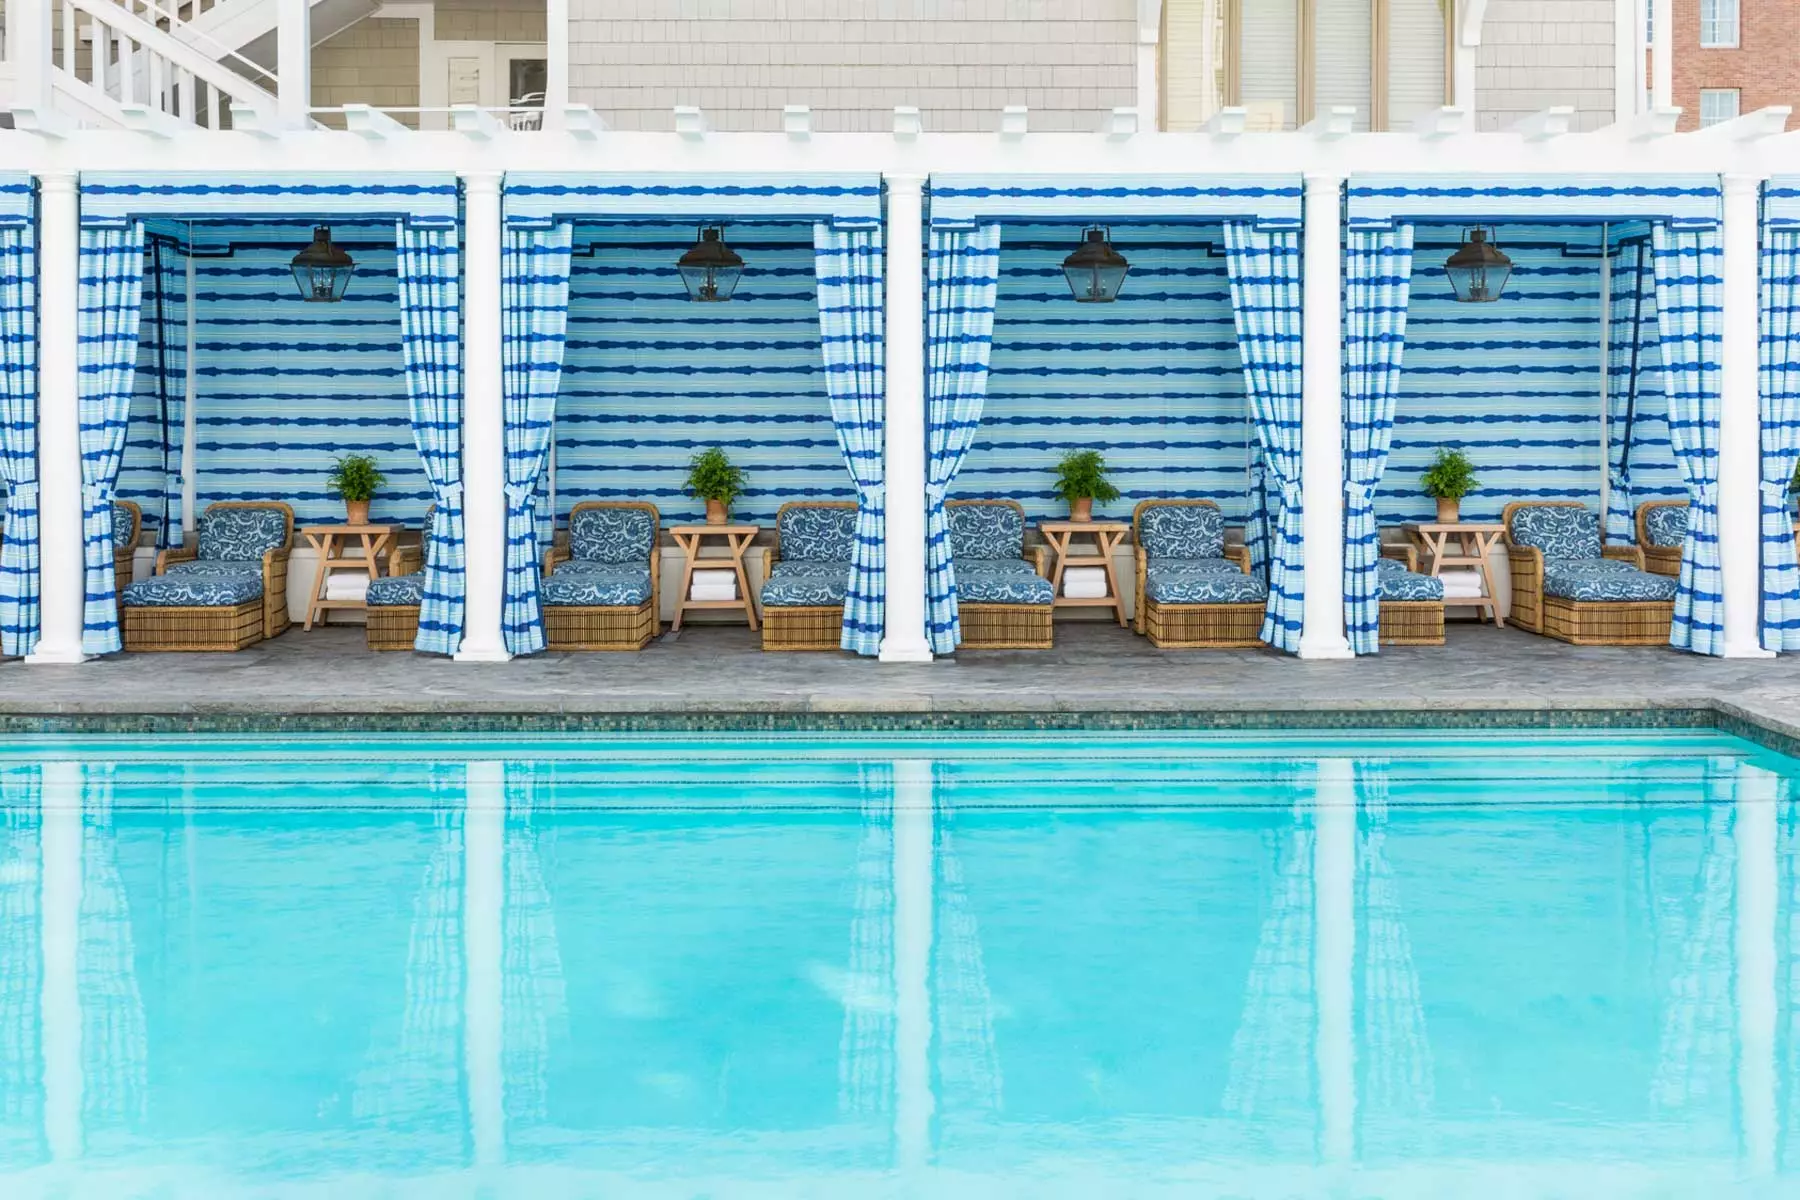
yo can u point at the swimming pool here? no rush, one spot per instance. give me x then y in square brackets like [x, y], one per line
[1401, 965]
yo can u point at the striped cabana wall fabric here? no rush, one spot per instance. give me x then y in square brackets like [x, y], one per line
[19, 561]
[542, 198]
[1780, 363]
[1682, 201]
[116, 198]
[1640, 463]
[961, 201]
[151, 474]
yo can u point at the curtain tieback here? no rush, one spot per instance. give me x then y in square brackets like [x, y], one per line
[1775, 493]
[449, 495]
[95, 495]
[1707, 495]
[1291, 494]
[1360, 493]
[23, 493]
[518, 495]
[1620, 480]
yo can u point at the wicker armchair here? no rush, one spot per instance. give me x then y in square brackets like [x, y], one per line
[394, 600]
[212, 595]
[1412, 605]
[1612, 606]
[128, 515]
[600, 590]
[1661, 530]
[1187, 537]
[1004, 599]
[803, 596]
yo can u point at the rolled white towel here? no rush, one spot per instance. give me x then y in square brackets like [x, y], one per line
[1462, 584]
[347, 585]
[1084, 583]
[713, 578]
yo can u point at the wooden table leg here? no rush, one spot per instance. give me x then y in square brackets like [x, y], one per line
[1109, 542]
[1059, 546]
[320, 573]
[1487, 576]
[738, 546]
[687, 577]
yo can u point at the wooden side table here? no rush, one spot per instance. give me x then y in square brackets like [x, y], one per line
[1107, 535]
[737, 540]
[1462, 544]
[332, 543]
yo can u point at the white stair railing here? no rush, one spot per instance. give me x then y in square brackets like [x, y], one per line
[113, 53]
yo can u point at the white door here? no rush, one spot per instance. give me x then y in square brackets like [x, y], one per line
[493, 75]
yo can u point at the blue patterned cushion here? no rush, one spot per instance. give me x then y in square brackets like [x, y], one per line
[806, 584]
[195, 589]
[815, 533]
[1604, 579]
[1182, 531]
[121, 526]
[611, 535]
[1395, 582]
[214, 570]
[598, 585]
[397, 591]
[1559, 530]
[241, 534]
[1666, 525]
[1001, 581]
[985, 531]
[1201, 581]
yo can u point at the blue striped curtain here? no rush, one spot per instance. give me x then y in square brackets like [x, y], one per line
[852, 324]
[1780, 436]
[534, 314]
[1632, 355]
[18, 439]
[1377, 285]
[1266, 306]
[1689, 307]
[962, 282]
[111, 302]
[428, 265]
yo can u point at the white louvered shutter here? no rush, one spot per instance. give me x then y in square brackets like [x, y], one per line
[1415, 60]
[1268, 62]
[1342, 36]
[1192, 62]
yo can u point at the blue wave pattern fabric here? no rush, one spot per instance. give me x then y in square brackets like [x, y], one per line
[1182, 531]
[1561, 531]
[962, 273]
[219, 569]
[610, 535]
[1377, 286]
[1690, 314]
[1666, 525]
[1001, 581]
[1780, 435]
[397, 591]
[815, 534]
[121, 526]
[429, 270]
[161, 386]
[1634, 388]
[1201, 581]
[534, 314]
[1266, 306]
[1398, 583]
[598, 584]
[1604, 579]
[985, 531]
[19, 562]
[806, 585]
[847, 264]
[196, 589]
[110, 289]
[241, 534]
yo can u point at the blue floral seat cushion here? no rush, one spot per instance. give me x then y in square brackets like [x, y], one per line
[1182, 531]
[397, 591]
[1201, 581]
[193, 589]
[1561, 531]
[816, 533]
[1001, 581]
[611, 535]
[598, 585]
[121, 526]
[241, 534]
[1666, 525]
[194, 569]
[1604, 579]
[806, 584]
[985, 531]
[1395, 582]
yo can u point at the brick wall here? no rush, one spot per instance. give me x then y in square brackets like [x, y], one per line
[852, 61]
[1539, 53]
[372, 62]
[1765, 67]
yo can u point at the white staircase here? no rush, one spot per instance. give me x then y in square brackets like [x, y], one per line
[248, 26]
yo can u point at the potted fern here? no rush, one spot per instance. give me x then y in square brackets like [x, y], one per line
[1449, 478]
[713, 478]
[1081, 480]
[355, 478]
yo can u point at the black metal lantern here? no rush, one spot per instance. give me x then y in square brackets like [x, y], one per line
[1478, 271]
[322, 270]
[1095, 271]
[711, 270]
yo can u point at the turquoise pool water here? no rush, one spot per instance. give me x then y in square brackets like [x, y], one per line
[1247, 966]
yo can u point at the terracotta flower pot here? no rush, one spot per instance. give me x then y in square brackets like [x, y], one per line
[356, 512]
[1081, 510]
[1449, 511]
[715, 512]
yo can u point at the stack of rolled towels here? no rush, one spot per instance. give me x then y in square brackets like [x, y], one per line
[1084, 583]
[1462, 585]
[347, 585]
[713, 585]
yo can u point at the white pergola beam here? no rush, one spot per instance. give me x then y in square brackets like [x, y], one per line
[152, 122]
[690, 122]
[475, 123]
[1751, 126]
[45, 122]
[246, 118]
[372, 123]
[1657, 123]
[1014, 120]
[1444, 122]
[1120, 124]
[796, 121]
[908, 124]
[583, 122]
[1552, 122]
[1335, 122]
[1229, 121]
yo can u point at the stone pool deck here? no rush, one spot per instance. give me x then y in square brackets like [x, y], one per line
[717, 675]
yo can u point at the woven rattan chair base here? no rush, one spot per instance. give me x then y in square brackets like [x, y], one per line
[575, 627]
[122, 569]
[1203, 626]
[392, 627]
[802, 627]
[1006, 626]
[1663, 560]
[1600, 623]
[1412, 622]
[147, 629]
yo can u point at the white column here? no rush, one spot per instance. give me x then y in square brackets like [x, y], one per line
[1322, 422]
[63, 585]
[59, 926]
[913, 872]
[903, 639]
[556, 63]
[484, 890]
[1149, 84]
[1662, 54]
[190, 409]
[1740, 426]
[484, 424]
[1758, 885]
[1628, 58]
[28, 49]
[1334, 955]
[293, 62]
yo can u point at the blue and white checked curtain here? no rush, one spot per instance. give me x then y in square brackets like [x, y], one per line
[429, 269]
[1632, 356]
[18, 437]
[534, 313]
[1780, 436]
[111, 302]
[1264, 266]
[169, 359]
[1689, 298]
[1377, 285]
[848, 266]
[962, 283]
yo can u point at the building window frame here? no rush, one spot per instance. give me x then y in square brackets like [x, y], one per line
[1719, 24]
[1720, 111]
